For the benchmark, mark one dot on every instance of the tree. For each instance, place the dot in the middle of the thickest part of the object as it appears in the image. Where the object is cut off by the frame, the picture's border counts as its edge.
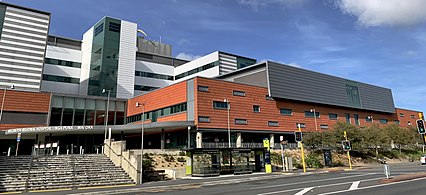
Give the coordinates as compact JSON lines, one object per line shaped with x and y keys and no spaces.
{"x":374,"y":136}
{"x":400,"y":136}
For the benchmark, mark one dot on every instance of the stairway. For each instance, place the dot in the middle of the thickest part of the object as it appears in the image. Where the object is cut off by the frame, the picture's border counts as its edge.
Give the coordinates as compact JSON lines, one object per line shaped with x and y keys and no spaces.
{"x":61,"y":171}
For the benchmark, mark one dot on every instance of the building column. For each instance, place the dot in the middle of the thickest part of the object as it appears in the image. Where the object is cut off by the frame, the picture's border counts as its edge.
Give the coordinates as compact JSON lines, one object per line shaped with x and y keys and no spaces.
{"x":239,"y":140}
{"x":271,"y":140}
{"x":199,"y":139}
{"x":163,"y":139}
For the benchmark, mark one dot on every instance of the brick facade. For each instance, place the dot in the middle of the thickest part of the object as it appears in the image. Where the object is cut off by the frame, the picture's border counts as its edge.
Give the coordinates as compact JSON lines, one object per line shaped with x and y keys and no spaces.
{"x":24,"y":102}
{"x":407,"y":117}
{"x":242,"y":108}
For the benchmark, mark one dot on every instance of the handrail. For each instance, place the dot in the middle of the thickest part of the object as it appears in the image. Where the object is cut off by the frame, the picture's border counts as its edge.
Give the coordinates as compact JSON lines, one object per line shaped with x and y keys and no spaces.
{"x":29,"y":172}
{"x":128,"y":161}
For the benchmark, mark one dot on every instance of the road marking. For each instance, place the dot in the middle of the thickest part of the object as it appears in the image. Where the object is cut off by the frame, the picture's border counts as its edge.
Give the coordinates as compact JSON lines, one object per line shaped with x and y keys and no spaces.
{"x":10,"y":192}
{"x":104,"y":187}
{"x":373,"y":186}
{"x":304,"y":191}
{"x":354,"y":185}
{"x":51,"y":190}
{"x":320,"y":186}
{"x":319,"y":180}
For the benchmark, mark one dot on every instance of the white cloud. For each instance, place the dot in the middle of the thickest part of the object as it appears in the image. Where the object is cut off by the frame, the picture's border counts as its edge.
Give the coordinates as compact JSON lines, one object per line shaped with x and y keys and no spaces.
{"x":385,"y":12}
{"x":258,"y":4}
{"x":187,"y":56}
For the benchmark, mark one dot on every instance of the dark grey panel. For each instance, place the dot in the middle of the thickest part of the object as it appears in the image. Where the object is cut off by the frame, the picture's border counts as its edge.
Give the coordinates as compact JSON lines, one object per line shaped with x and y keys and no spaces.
{"x":24,"y":118}
{"x":190,"y":113}
{"x":376,"y":98}
{"x":256,"y":79}
{"x":303,"y":85}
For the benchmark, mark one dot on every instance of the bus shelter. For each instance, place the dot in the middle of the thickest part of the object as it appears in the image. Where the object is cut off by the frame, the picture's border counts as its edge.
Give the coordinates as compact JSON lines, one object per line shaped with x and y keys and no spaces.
{"x":202,"y":162}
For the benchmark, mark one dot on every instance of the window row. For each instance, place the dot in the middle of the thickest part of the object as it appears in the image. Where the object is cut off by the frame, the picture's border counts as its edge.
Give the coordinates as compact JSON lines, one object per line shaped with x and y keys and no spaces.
{"x":61,"y":79}
{"x":153,"y":75}
{"x":153,"y":115}
{"x":62,"y":62}
{"x":145,"y":88}
{"x":402,"y":115}
{"x":197,"y":70}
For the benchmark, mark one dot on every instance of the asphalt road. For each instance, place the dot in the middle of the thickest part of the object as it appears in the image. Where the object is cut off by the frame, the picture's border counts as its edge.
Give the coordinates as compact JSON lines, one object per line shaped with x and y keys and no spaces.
{"x":366,"y":181}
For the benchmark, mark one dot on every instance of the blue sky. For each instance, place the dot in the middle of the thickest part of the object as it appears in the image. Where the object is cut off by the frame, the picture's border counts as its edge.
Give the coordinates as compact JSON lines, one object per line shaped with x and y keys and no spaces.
{"x":381,"y":42}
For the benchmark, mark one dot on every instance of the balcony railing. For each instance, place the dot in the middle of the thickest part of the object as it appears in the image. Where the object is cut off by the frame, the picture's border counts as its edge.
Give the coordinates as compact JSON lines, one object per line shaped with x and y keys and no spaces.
{"x":246,"y":145}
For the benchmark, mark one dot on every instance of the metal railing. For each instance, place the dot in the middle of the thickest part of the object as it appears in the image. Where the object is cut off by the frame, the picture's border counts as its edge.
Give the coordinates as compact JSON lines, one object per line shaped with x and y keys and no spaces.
{"x":218,"y":145}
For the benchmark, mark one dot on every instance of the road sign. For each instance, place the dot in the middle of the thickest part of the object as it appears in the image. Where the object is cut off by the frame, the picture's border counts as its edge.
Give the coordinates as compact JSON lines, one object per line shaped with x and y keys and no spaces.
{"x":298,"y":136}
{"x":266,"y":143}
{"x":346,"y":145}
{"x":18,"y":137}
{"x":421,"y":126}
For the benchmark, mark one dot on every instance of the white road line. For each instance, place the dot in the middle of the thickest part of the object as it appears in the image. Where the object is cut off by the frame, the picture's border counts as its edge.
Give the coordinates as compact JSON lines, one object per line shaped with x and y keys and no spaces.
{"x":304,"y":191}
{"x":374,"y":186}
{"x":320,"y":186}
{"x":354,"y":185}
{"x":311,"y":181}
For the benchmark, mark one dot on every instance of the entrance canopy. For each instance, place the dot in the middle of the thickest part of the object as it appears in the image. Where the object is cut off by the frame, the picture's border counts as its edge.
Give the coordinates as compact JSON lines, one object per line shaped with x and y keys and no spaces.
{"x":100,"y":129}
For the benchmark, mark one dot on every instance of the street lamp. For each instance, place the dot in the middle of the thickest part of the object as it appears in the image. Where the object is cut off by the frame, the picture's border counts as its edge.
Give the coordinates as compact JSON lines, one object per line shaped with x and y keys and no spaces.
{"x":2,"y":102}
{"x":315,"y":118}
{"x":189,"y":137}
{"x":142,"y":133}
{"x":107,"y":110}
{"x":228,"y":107}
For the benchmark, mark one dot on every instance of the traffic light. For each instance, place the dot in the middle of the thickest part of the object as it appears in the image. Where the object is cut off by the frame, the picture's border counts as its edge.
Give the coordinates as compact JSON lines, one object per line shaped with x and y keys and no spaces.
{"x":298,"y":136}
{"x":421,"y":126}
{"x":346,"y":145}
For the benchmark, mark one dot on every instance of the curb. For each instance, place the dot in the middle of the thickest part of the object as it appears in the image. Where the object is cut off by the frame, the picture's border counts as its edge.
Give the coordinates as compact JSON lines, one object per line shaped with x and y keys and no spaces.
{"x":403,"y":177}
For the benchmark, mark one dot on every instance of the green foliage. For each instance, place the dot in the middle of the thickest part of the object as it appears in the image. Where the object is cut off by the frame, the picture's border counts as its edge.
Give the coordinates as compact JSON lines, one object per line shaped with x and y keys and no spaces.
{"x":313,"y":161}
{"x":182,"y":153}
{"x":181,"y":159}
{"x":276,"y":158}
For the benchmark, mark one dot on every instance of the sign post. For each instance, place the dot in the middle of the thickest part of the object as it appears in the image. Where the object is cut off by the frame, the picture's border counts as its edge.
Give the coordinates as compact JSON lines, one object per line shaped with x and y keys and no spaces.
{"x":282,"y":142}
{"x":18,"y":139}
{"x":299,"y":139}
{"x":268,"y":166}
{"x":347,"y":146}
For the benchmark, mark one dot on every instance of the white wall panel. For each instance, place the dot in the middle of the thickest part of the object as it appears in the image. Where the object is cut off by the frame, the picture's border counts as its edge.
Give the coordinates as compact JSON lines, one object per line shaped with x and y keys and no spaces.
{"x":126,"y":61}
{"x":58,"y":87}
{"x":86,"y":49}
{"x":197,"y":63}
{"x":154,"y":67}
{"x":64,"y":54}
{"x":64,"y":71}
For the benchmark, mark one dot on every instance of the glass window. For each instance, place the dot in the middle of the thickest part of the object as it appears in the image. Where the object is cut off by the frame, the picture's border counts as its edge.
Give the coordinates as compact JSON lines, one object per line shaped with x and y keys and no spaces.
{"x":55,"y":116}
{"x":203,"y":119}
{"x":409,"y":123}
{"x":67,"y":117}
{"x":78,"y":117}
{"x":353,"y":94}
{"x":62,"y":62}
{"x":286,"y":111}
{"x":302,"y":125}
{"x":369,"y":119}
{"x":383,"y":121}
{"x":356,"y":118}
{"x":324,"y":126}
{"x":90,"y":112}
{"x":239,"y":93}
{"x":412,"y":116}
{"x":57,"y":101}
{"x":311,"y":114}
{"x":256,"y":108}
{"x":219,"y":105}
{"x":239,"y":121}
{"x":332,"y":116}
{"x":396,"y":122}
{"x":348,"y":117}
{"x":273,"y":123}
{"x":119,"y":118}
{"x":60,"y":79}
{"x":401,"y":114}
{"x":203,"y":88}
{"x":69,"y":102}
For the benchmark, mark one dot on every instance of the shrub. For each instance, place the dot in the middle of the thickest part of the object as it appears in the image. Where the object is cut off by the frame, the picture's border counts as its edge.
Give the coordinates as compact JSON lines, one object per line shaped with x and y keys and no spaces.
{"x":181,"y":159}
{"x":182,"y":153}
{"x":313,"y":161}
